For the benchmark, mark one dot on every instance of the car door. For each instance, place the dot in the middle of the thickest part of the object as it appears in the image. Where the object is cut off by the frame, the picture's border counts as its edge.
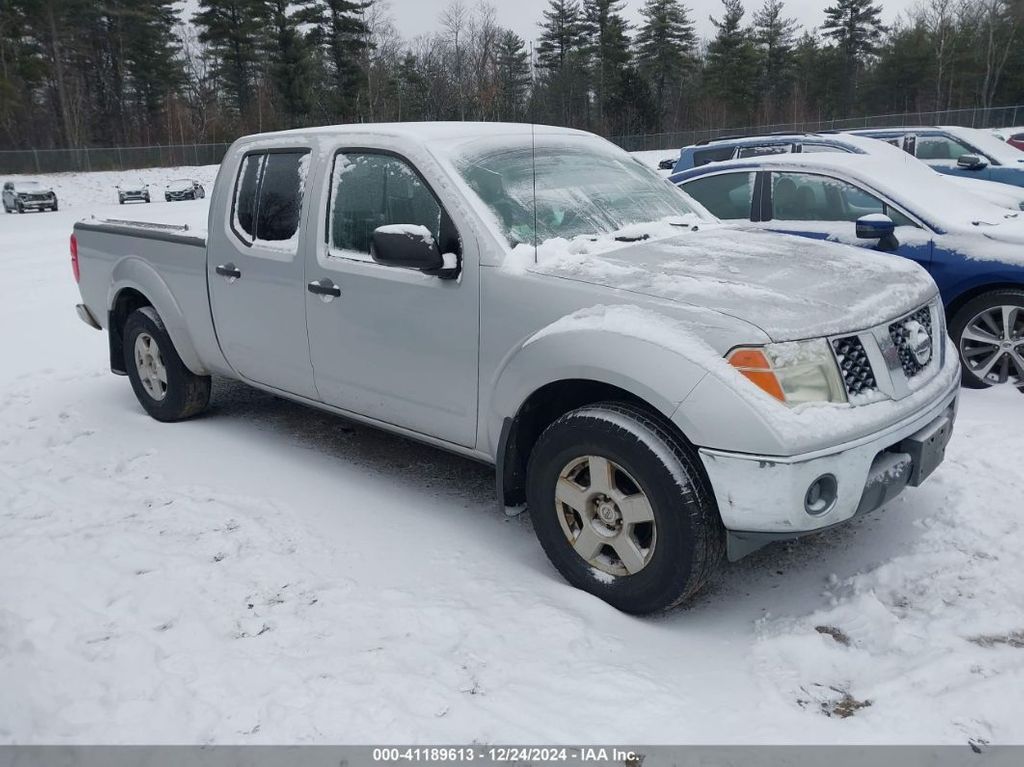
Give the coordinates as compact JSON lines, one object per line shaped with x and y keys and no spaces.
{"x":823,"y":207}
{"x":256,"y":272}
{"x":390,"y":343}
{"x":729,"y":195}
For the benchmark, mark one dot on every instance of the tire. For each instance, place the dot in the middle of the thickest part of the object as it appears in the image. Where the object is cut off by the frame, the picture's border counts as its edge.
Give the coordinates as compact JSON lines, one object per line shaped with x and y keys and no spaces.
{"x":1009,"y":359}
{"x":120,"y":200}
{"x":54,"y":208}
{"x":673,"y":556}
{"x":181,"y":394}
{"x":20,"y":208}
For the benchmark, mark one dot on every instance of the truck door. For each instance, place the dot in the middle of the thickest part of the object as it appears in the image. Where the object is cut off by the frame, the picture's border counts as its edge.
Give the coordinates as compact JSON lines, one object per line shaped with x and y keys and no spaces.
{"x":390,"y":343}
{"x":255,"y":272}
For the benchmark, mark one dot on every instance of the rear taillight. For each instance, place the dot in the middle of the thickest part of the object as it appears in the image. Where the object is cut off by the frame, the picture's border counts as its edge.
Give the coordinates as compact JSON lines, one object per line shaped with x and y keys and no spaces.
{"x":74,"y":258}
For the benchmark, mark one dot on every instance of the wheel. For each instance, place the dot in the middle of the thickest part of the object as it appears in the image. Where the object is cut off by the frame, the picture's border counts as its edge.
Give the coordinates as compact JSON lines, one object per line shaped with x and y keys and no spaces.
{"x":167,"y":389}
{"x":146,"y":198}
{"x":120,"y":200}
{"x":20,"y":207}
{"x":989,"y":332}
{"x":623,"y":509}
{"x":54,"y":208}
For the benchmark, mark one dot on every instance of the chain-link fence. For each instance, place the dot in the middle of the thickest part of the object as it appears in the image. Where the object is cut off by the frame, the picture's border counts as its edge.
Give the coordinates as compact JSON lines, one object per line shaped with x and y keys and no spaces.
{"x":995,"y":117}
{"x":109,"y":158}
{"x":126,"y":158}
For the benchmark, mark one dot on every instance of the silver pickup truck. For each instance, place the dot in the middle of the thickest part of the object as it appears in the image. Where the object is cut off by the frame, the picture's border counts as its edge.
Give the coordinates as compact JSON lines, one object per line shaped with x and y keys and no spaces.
{"x":661,"y":390}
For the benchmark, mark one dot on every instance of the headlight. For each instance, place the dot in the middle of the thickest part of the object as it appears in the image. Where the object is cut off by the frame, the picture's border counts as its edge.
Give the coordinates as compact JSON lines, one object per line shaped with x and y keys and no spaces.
{"x":795,"y":372}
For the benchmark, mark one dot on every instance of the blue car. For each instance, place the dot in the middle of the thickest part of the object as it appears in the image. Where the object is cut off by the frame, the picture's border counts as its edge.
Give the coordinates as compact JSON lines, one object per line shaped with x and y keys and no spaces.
{"x":974,"y":250}
{"x":965,"y":152}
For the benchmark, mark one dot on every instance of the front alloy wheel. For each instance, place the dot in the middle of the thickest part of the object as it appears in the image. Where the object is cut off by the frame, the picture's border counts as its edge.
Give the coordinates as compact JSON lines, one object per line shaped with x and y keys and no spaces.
{"x":605,"y":516}
{"x":992,"y":345}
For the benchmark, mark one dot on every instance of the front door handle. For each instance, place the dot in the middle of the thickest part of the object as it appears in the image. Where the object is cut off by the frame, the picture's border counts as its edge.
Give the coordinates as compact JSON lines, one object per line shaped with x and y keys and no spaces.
{"x":324,"y":288}
{"x":230,"y":271}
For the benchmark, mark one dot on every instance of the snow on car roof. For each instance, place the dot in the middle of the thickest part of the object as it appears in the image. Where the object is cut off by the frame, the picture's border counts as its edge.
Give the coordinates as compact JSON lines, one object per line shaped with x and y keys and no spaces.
{"x":895,"y":175}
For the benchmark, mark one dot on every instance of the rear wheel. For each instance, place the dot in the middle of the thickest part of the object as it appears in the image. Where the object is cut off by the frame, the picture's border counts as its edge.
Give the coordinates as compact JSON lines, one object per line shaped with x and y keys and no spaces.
{"x":989,"y":334}
{"x":623,"y":509}
{"x":167,"y":389}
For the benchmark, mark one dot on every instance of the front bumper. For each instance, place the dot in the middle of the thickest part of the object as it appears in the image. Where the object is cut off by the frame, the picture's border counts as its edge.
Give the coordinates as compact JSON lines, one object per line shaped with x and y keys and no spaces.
{"x":38,"y":204}
{"x":766,"y":498}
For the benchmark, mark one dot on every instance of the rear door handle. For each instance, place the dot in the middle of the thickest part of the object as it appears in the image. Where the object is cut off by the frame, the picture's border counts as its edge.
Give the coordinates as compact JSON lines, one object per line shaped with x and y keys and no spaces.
{"x":230,"y":271}
{"x":324,"y":288}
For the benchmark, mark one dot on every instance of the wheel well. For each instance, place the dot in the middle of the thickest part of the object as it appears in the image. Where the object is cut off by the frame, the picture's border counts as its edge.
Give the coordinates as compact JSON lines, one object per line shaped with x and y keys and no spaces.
{"x":126,"y":302}
{"x":969,"y":295}
{"x":541,"y":409}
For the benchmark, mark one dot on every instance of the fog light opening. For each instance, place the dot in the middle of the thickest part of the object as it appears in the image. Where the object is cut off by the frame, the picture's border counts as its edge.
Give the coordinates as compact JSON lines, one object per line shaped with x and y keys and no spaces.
{"x":821,"y":495}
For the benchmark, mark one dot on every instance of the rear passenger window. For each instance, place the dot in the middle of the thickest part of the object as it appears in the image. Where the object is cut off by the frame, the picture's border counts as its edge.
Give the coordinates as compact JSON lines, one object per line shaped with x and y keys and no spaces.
{"x":371,"y":190}
{"x":714,"y":154}
{"x":727,"y":195}
{"x":268,"y":199}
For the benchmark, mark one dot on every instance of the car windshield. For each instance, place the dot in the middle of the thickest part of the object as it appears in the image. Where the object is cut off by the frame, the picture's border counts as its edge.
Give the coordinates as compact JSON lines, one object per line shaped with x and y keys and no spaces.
{"x":180,"y":184}
{"x":30,"y":186}
{"x":582,"y":187}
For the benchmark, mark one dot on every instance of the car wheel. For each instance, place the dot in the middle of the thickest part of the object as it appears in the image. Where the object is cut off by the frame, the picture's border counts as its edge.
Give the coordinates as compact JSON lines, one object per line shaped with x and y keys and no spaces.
{"x":20,"y":208}
{"x":55,"y":208}
{"x":623,"y":509}
{"x":167,"y":389}
{"x":989,"y":334}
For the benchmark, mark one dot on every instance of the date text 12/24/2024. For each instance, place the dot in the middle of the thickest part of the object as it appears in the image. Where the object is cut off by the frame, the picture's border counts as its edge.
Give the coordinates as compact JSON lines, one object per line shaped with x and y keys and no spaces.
{"x":503,"y":754}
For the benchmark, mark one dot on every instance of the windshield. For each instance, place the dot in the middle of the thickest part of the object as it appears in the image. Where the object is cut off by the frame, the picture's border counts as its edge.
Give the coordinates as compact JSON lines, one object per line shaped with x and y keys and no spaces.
{"x":181,"y":184}
{"x":584,"y":187}
{"x":30,"y":186}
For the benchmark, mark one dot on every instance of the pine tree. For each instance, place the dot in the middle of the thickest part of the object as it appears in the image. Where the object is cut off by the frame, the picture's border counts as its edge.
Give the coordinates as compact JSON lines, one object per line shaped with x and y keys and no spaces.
{"x":856,"y":27}
{"x":731,"y":70}
{"x":562,"y":54}
{"x":288,"y":53}
{"x":607,"y":42}
{"x":665,"y":46}
{"x":775,"y":37}
{"x":513,"y":75}
{"x":340,"y":32}
{"x":235,"y":32}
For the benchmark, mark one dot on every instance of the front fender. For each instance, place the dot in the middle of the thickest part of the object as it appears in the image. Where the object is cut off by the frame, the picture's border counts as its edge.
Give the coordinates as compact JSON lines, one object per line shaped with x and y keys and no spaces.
{"x":649,"y":355}
{"x":134,"y":273}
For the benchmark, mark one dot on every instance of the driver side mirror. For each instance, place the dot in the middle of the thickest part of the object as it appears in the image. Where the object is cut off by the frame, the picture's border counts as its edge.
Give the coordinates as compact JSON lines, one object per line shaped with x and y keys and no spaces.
{"x":406,"y":245}
{"x":878,"y":227}
{"x":972,"y":162}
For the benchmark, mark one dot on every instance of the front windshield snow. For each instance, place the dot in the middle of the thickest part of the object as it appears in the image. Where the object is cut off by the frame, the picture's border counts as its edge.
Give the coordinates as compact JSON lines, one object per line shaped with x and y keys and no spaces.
{"x":582,"y":189}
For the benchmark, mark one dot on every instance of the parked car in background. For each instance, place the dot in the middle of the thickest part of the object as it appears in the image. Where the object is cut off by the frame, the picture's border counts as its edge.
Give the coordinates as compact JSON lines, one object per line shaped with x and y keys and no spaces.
{"x":1016,"y":140}
{"x":659,"y":388}
{"x":132,"y":192}
{"x":1004,"y":195}
{"x":21,"y":196}
{"x":184,"y":189}
{"x":974,"y":250}
{"x":957,"y":151}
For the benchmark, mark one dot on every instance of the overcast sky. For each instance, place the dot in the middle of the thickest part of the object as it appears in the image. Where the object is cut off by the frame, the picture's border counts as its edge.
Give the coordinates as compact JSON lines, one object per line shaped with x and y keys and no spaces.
{"x":413,"y":17}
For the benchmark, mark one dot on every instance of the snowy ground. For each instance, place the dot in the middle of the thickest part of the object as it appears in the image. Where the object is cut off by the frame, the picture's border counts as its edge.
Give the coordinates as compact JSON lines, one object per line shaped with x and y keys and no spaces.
{"x":268,"y":573}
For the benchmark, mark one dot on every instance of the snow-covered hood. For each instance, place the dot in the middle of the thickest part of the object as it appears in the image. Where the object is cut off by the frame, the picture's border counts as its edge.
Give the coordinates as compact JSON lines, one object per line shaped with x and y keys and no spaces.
{"x":790,"y":287}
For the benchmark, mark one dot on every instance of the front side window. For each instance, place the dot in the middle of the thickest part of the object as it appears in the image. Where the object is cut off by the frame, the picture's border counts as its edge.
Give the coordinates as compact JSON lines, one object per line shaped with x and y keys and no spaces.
{"x":370,"y":190}
{"x":727,"y":195}
{"x":940,"y":148}
{"x":268,"y":198}
{"x":810,"y":197}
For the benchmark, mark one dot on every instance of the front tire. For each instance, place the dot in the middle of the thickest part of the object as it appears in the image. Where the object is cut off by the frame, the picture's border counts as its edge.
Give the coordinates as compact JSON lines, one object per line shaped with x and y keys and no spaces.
{"x":167,"y":389}
{"x":989,"y":336}
{"x":623,"y":509}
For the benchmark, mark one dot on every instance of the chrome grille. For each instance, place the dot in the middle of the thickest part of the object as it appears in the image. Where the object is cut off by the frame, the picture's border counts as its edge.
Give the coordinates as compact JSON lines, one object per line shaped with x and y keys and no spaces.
{"x":900,"y":331}
{"x":854,"y":365}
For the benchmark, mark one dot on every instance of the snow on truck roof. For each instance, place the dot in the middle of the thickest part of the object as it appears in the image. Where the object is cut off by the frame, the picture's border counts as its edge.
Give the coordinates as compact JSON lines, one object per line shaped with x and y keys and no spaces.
{"x":425,"y":132}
